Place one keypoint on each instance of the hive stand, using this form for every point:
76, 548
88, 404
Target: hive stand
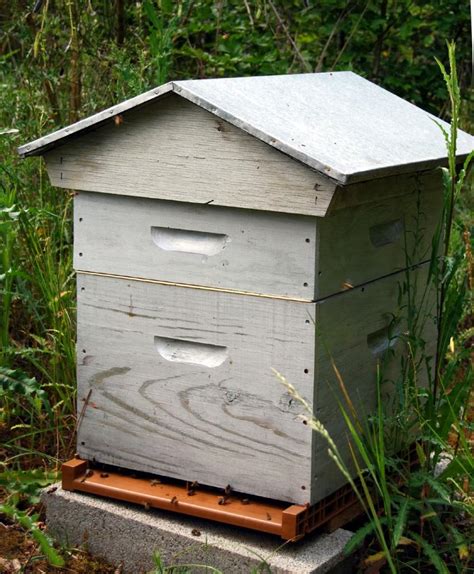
291, 523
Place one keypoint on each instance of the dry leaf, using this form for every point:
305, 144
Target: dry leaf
404, 541
463, 551
370, 560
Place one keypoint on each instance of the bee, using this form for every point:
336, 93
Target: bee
174, 500
191, 488
227, 493
118, 120
155, 482
104, 475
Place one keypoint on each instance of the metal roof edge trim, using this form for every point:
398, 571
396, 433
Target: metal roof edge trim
259, 134
405, 169
50, 140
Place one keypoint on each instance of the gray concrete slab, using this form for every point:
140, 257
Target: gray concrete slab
127, 534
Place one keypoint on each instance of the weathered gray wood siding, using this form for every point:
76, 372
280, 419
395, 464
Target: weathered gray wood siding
273, 254
236, 249
375, 229
182, 385
174, 150
179, 216
355, 331
181, 380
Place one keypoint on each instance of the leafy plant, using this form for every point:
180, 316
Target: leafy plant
30, 523
16, 385
162, 28
8, 233
24, 488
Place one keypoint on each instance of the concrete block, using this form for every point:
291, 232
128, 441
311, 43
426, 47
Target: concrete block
127, 534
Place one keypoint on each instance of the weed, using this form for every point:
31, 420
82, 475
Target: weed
160, 568
65, 59
23, 489
421, 518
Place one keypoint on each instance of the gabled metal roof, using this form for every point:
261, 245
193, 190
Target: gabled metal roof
337, 123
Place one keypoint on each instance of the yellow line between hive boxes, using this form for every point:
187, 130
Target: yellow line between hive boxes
200, 287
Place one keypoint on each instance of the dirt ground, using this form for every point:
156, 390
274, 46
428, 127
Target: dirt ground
20, 554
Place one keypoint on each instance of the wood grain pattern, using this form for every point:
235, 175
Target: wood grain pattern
174, 150
246, 250
353, 329
384, 188
181, 380
180, 411
360, 243
266, 253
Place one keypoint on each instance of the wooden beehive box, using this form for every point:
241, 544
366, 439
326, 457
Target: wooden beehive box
225, 228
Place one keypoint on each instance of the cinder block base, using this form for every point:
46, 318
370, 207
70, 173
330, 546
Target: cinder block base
127, 534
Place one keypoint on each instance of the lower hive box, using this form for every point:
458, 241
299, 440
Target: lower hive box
180, 381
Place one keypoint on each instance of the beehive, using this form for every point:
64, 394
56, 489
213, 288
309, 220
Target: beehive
228, 228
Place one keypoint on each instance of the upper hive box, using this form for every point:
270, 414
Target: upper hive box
217, 222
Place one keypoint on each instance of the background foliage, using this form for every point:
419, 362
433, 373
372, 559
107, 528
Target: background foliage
61, 60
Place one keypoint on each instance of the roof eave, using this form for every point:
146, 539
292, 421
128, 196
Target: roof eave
405, 169
40, 145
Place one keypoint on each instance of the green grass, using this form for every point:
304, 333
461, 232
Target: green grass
420, 519
69, 59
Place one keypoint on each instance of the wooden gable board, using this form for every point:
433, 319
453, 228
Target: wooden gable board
172, 149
